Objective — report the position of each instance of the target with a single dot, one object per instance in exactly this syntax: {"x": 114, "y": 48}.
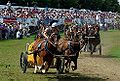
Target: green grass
{"x": 115, "y": 49}
{"x": 115, "y": 52}
{"x": 10, "y": 70}
{"x": 10, "y": 54}
{"x": 111, "y": 40}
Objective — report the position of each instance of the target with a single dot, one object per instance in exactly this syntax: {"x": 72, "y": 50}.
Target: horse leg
{"x": 67, "y": 65}
{"x": 46, "y": 66}
{"x": 42, "y": 64}
{"x": 39, "y": 62}
{"x": 75, "y": 64}
{"x": 85, "y": 47}
{"x": 92, "y": 49}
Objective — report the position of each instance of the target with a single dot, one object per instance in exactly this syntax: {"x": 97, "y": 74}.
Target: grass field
{"x": 112, "y": 40}
{"x": 10, "y": 53}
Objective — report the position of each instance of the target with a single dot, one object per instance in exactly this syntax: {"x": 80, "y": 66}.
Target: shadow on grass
{"x": 74, "y": 77}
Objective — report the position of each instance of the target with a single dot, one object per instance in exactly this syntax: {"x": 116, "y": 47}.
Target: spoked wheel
{"x": 60, "y": 65}
{"x": 23, "y": 62}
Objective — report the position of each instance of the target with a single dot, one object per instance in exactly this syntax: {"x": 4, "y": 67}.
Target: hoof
{"x": 66, "y": 71}
{"x": 43, "y": 71}
{"x": 73, "y": 68}
{"x": 34, "y": 72}
{"x": 91, "y": 53}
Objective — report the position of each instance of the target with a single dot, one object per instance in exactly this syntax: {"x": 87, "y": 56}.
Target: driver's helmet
{"x": 54, "y": 25}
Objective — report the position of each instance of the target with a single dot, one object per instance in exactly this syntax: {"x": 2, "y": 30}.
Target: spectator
{"x": 106, "y": 20}
{"x": 8, "y": 5}
{"x": 18, "y": 34}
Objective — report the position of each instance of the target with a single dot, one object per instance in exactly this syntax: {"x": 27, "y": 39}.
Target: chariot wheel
{"x": 23, "y": 61}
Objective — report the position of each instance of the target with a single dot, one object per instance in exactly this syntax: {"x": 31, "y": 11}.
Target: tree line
{"x": 104, "y": 5}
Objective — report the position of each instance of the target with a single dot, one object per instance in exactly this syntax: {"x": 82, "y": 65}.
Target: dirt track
{"x": 103, "y": 66}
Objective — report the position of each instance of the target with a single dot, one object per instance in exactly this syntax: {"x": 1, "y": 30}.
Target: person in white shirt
{"x": 18, "y": 34}
{"x": 21, "y": 26}
{"x": 9, "y": 5}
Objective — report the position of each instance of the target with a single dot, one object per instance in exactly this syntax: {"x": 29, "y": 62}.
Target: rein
{"x": 51, "y": 43}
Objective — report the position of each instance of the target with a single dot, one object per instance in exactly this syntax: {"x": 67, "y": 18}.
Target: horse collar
{"x": 46, "y": 47}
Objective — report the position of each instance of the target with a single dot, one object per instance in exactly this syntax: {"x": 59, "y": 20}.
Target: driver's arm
{"x": 45, "y": 33}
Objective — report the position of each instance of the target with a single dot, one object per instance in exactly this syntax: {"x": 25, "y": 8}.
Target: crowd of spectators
{"x": 106, "y": 20}
{"x": 10, "y": 31}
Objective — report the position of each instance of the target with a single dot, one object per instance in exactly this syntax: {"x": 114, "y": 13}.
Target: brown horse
{"x": 70, "y": 31}
{"x": 46, "y": 51}
{"x": 70, "y": 49}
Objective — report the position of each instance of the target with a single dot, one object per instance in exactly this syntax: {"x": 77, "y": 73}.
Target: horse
{"x": 85, "y": 33}
{"x": 91, "y": 37}
{"x": 70, "y": 49}
{"x": 69, "y": 32}
{"x": 46, "y": 52}
{"x": 95, "y": 41}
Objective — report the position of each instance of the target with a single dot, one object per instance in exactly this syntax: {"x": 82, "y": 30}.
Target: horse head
{"x": 97, "y": 28}
{"x": 91, "y": 31}
{"x": 54, "y": 38}
{"x": 80, "y": 34}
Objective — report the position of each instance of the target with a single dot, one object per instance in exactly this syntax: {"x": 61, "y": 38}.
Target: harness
{"x": 74, "y": 50}
{"x": 40, "y": 44}
{"x": 46, "y": 48}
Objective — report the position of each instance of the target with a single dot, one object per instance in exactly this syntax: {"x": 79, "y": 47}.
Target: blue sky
{"x": 119, "y": 1}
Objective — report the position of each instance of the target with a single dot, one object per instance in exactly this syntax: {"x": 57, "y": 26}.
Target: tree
{"x": 110, "y": 5}
{"x": 95, "y": 4}
{"x": 104, "y": 5}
